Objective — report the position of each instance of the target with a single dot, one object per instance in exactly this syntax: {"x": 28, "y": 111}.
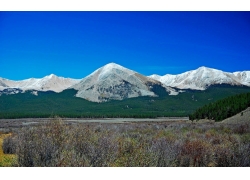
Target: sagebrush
{"x": 56, "y": 143}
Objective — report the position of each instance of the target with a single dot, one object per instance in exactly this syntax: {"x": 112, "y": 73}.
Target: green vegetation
{"x": 56, "y": 143}
{"x": 65, "y": 104}
{"x": 223, "y": 109}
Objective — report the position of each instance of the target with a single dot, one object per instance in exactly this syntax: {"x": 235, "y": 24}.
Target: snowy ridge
{"x": 202, "y": 78}
{"x": 47, "y": 83}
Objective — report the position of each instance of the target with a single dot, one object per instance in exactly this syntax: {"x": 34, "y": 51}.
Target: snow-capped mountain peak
{"x": 50, "y": 76}
{"x": 113, "y": 68}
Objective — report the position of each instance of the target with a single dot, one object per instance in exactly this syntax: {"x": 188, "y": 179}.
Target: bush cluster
{"x": 57, "y": 144}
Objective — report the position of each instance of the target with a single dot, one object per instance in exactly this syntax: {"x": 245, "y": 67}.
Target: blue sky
{"x": 74, "y": 44}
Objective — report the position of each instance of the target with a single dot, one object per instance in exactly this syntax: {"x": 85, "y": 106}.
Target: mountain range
{"x": 114, "y": 82}
{"x": 47, "y": 83}
{"x": 202, "y": 78}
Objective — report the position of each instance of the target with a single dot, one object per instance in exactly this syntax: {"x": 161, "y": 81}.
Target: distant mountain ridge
{"x": 47, "y": 83}
{"x": 115, "y": 82}
{"x": 202, "y": 78}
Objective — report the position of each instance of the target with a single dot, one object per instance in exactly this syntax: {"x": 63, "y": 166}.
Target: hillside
{"x": 223, "y": 108}
{"x": 65, "y": 104}
{"x": 242, "y": 117}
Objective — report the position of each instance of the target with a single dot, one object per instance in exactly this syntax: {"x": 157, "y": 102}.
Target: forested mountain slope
{"x": 223, "y": 108}
{"x": 65, "y": 104}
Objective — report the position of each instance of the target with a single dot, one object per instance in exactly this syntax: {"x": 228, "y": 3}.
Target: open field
{"x": 128, "y": 120}
{"x": 17, "y": 123}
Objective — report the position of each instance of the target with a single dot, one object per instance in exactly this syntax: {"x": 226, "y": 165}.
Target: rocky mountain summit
{"x": 113, "y": 81}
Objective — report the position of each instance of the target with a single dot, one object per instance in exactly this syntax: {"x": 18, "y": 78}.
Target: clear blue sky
{"x": 74, "y": 44}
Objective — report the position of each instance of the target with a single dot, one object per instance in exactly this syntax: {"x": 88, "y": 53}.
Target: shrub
{"x": 241, "y": 129}
{"x": 9, "y": 145}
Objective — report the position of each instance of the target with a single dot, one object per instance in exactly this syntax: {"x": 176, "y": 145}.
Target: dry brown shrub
{"x": 196, "y": 151}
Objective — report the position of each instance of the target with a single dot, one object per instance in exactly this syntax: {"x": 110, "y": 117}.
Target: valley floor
{"x": 17, "y": 123}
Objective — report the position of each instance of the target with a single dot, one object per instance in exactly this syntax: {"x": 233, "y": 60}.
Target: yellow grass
{"x": 6, "y": 160}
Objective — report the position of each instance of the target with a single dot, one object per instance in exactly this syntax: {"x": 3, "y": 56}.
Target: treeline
{"x": 223, "y": 109}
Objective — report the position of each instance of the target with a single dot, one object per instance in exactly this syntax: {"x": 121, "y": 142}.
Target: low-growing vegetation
{"x": 168, "y": 144}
